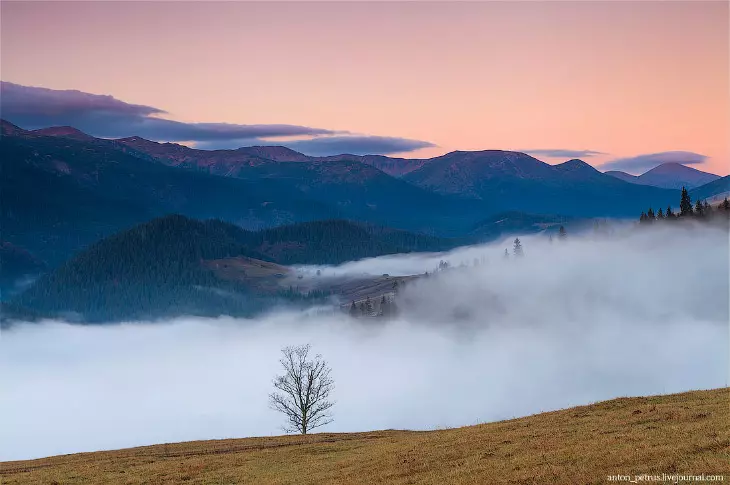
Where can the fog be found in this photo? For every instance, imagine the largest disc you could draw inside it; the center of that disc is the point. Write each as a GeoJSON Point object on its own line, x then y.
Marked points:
{"type": "Point", "coordinates": [641, 312]}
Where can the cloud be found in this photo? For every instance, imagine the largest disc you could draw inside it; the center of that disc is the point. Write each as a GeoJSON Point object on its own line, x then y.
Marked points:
{"type": "Point", "coordinates": [357, 145]}
{"type": "Point", "coordinates": [642, 163]}
{"type": "Point", "coordinates": [106, 116]}
{"type": "Point", "coordinates": [329, 145]}
{"type": "Point", "coordinates": [561, 327]}
{"type": "Point", "coordinates": [563, 153]}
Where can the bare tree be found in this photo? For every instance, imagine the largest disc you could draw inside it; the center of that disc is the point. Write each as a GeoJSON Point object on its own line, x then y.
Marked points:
{"type": "Point", "coordinates": [303, 391]}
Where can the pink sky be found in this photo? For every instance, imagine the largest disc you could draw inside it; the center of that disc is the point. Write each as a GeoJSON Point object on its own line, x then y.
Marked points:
{"type": "Point", "coordinates": [624, 78]}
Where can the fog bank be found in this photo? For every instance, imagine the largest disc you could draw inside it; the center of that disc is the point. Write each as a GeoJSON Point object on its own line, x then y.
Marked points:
{"type": "Point", "coordinates": [644, 312]}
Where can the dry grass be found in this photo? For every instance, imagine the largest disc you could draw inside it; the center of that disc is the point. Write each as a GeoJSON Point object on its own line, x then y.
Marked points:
{"type": "Point", "coordinates": [681, 433]}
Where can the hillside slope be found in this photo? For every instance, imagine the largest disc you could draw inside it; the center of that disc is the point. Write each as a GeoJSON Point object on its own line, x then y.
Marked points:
{"type": "Point", "coordinates": [686, 433]}
{"type": "Point", "coordinates": [719, 188]}
{"type": "Point", "coordinates": [165, 268]}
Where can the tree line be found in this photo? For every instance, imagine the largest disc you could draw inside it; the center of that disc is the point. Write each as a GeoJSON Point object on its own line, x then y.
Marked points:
{"type": "Point", "coordinates": [698, 210]}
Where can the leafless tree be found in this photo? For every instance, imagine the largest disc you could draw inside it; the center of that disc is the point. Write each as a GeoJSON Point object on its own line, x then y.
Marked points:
{"type": "Point", "coordinates": [303, 391]}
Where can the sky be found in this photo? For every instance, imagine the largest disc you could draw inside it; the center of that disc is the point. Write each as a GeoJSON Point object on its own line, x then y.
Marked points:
{"type": "Point", "coordinates": [601, 81]}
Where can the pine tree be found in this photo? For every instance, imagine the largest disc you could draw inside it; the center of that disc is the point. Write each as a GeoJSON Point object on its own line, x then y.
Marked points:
{"type": "Point", "coordinates": [726, 204]}
{"type": "Point", "coordinates": [562, 234]}
{"type": "Point", "coordinates": [699, 212]}
{"type": "Point", "coordinates": [506, 254]}
{"type": "Point", "coordinates": [650, 215]}
{"type": "Point", "coordinates": [660, 214]}
{"type": "Point", "coordinates": [706, 209]}
{"type": "Point", "coordinates": [685, 204]}
{"type": "Point", "coordinates": [382, 311]}
{"type": "Point", "coordinates": [395, 287]}
{"type": "Point", "coordinates": [517, 249]}
{"type": "Point", "coordinates": [643, 218]}
{"type": "Point", "coordinates": [353, 310]}
{"type": "Point", "coordinates": [670, 214]}
{"type": "Point", "coordinates": [368, 306]}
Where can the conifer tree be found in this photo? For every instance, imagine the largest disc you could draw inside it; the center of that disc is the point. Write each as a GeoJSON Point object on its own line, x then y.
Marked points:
{"type": "Point", "coordinates": [353, 310]}
{"type": "Point", "coordinates": [660, 214]}
{"type": "Point", "coordinates": [517, 249]}
{"type": "Point", "coordinates": [506, 253]}
{"type": "Point", "coordinates": [706, 209]}
{"type": "Point", "coordinates": [670, 214]}
{"type": "Point", "coordinates": [699, 208]}
{"type": "Point", "coordinates": [562, 234]}
{"type": "Point", "coordinates": [368, 306]}
{"type": "Point", "coordinates": [726, 204]}
{"type": "Point", "coordinates": [685, 204]}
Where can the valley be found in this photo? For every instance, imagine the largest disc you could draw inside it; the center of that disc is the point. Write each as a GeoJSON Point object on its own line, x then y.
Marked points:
{"type": "Point", "coordinates": [382, 242]}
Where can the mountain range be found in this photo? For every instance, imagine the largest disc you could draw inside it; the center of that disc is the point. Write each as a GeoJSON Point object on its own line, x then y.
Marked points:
{"type": "Point", "coordinates": [668, 176]}
{"type": "Point", "coordinates": [89, 218]}
{"type": "Point", "coordinates": [61, 189]}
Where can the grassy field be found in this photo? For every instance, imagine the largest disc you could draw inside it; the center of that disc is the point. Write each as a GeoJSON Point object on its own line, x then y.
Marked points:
{"type": "Point", "coordinates": [685, 433]}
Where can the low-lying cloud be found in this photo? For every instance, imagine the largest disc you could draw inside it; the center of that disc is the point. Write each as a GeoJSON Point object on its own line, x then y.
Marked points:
{"type": "Point", "coordinates": [563, 153]}
{"type": "Point", "coordinates": [330, 145]}
{"type": "Point", "coordinates": [642, 163]}
{"type": "Point", "coordinates": [104, 116]}
{"type": "Point", "coordinates": [642, 312]}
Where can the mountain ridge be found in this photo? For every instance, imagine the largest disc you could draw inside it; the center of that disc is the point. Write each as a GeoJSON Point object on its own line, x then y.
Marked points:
{"type": "Point", "coordinates": [670, 175]}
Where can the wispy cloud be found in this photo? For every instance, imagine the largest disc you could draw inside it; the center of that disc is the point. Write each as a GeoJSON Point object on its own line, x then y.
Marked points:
{"type": "Point", "coordinates": [328, 145]}
{"type": "Point", "coordinates": [105, 116]}
{"type": "Point", "coordinates": [642, 163]}
{"type": "Point", "coordinates": [563, 153]}
{"type": "Point", "coordinates": [357, 145]}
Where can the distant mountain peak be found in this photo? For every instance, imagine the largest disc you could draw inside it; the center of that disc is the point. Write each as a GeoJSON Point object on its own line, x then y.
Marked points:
{"type": "Point", "coordinates": [575, 164]}
{"type": "Point", "coordinates": [673, 167]}
{"type": "Point", "coordinates": [7, 128]}
{"type": "Point", "coordinates": [670, 175]}
{"type": "Point", "coordinates": [135, 139]}
{"type": "Point", "coordinates": [276, 153]}
{"type": "Point", "coordinates": [64, 132]}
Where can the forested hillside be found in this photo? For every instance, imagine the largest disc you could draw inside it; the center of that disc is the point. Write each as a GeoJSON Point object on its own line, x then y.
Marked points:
{"type": "Point", "coordinates": [158, 269]}
{"type": "Point", "coordinates": [150, 271]}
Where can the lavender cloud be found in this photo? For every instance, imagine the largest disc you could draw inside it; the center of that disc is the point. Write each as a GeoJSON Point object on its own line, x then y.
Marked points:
{"type": "Point", "coordinates": [329, 145]}
{"type": "Point", "coordinates": [562, 153]}
{"type": "Point", "coordinates": [107, 117]}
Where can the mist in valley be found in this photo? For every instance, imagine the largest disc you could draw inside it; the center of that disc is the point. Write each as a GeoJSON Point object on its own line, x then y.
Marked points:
{"type": "Point", "coordinates": [572, 322]}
